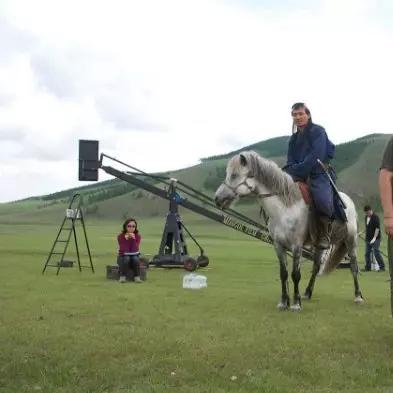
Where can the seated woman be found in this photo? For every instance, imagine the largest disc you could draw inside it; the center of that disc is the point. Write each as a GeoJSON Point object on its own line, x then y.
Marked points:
{"type": "Point", "coordinates": [128, 254]}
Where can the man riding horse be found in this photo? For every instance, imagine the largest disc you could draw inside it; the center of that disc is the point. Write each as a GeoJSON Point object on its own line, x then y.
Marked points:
{"type": "Point", "coordinates": [308, 143]}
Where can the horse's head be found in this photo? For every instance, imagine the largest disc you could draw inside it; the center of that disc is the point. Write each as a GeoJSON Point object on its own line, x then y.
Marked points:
{"type": "Point", "coordinates": [238, 183]}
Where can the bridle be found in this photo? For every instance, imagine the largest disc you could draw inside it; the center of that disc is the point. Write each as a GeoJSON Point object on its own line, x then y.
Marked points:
{"type": "Point", "coordinates": [252, 191]}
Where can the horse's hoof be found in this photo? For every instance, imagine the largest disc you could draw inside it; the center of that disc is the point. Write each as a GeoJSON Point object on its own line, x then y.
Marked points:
{"type": "Point", "coordinates": [282, 306]}
{"type": "Point", "coordinates": [306, 297]}
{"type": "Point", "coordinates": [296, 307]}
{"type": "Point", "coordinates": [358, 300]}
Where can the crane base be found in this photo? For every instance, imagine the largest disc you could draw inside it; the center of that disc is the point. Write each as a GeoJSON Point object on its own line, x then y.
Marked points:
{"type": "Point", "coordinates": [186, 262]}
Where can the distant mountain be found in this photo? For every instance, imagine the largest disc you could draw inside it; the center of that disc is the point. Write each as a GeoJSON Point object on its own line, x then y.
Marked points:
{"type": "Point", "coordinates": [274, 147]}
{"type": "Point", "coordinates": [357, 165]}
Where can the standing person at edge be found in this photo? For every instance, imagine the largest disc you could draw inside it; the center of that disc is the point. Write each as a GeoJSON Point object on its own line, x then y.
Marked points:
{"type": "Point", "coordinates": [373, 239]}
{"type": "Point", "coordinates": [386, 196]}
{"type": "Point", "coordinates": [309, 143]}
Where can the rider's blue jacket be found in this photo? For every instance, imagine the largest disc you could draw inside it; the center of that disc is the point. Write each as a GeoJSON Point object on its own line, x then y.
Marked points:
{"type": "Point", "coordinates": [304, 148]}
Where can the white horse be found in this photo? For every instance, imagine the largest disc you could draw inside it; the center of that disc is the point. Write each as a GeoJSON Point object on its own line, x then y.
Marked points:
{"type": "Point", "coordinates": [290, 220]}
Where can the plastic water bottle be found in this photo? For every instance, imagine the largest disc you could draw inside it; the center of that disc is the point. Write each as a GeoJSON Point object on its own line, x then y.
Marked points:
{"type": "Point", "coordinates": [186, 281]}
{"type": "Point", "coordinates": [202, 281]}
{"type": "Point", "coordinates": [374, 263]}
{"type": "Point", "coordinates": [194, 281]}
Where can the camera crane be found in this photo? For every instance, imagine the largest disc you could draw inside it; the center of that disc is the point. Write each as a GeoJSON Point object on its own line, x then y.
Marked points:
{"type": "Point", "coordinates": [173, 249]}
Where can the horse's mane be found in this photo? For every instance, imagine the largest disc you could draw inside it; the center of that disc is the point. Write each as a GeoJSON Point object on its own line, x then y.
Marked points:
{"type": "Point", "coordinates": [270, 175]}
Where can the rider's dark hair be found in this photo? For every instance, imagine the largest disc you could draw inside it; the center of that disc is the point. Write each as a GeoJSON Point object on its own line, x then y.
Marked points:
{"type": "Point", "coordinates": [301, 105]}
{"type": "Point", "coordinates": [367, 208]}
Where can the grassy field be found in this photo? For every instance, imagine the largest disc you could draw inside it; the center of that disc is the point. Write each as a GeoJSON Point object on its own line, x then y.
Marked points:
{"type": "Point", "coordinates": [78, 332]}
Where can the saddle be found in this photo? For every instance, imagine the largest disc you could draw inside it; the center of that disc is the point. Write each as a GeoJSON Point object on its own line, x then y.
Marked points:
{"type": "Point", "coordinates": [338, 208]}
{"type": "Point", "coordinates": [303, 187]}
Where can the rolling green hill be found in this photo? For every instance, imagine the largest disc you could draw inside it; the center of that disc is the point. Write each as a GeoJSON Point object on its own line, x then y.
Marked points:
{"type": "Point", "coordinates": [357, 166]}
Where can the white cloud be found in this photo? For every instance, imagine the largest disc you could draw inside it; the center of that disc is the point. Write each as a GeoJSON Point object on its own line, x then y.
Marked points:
{"type": "Point", "coordinates": [185, 79]}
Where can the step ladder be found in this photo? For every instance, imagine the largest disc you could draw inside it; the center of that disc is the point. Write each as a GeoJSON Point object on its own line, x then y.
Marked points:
{"type": "Point", "coordinates": [73, 214]}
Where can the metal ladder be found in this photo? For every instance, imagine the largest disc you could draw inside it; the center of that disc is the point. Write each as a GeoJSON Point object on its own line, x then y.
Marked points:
{"type": "Point", "coordinates": [72, 215]}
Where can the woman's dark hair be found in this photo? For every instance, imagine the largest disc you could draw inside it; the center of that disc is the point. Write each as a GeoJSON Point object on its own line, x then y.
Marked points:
{"type": "Point", "coordinates": [126, 222]}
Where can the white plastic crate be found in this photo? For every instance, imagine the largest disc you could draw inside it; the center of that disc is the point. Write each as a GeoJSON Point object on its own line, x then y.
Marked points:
{"type": "Point", "coordinates": [73, 213]}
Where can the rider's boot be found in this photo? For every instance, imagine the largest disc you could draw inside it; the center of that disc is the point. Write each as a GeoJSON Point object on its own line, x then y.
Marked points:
{"type": "Point", "coordinates": [324, 231]}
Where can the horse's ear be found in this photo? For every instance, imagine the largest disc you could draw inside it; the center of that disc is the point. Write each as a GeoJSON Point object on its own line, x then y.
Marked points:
{"type": "Point", "coordinates": [243, 160]}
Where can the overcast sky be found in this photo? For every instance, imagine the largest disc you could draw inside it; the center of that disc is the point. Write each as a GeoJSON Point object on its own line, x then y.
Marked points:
{"type": "Point", "coordinates": [164, 83]}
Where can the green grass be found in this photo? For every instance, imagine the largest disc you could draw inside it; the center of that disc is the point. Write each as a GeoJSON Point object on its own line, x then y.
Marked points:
{"type": "Point", "coordinates": [79, 332]}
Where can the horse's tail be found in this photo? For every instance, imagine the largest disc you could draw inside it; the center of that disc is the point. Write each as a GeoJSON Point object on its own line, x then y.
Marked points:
{"type": "Point", "coordinates": [336, 256]}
